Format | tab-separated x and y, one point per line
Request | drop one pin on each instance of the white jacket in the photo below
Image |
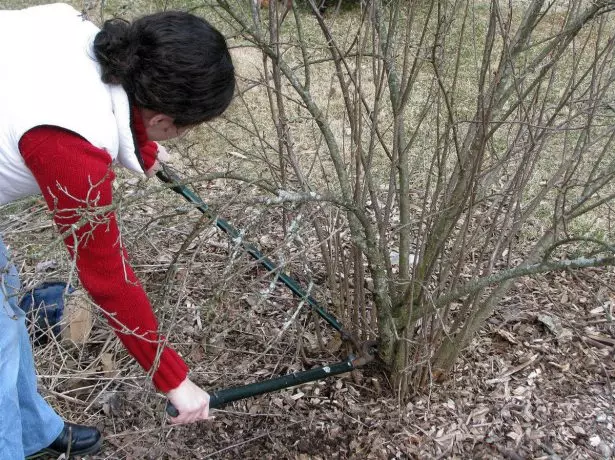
48	76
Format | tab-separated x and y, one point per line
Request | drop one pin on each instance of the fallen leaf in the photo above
46	265
77	317
553	323
108	364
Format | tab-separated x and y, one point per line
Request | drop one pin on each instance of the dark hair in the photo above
174	63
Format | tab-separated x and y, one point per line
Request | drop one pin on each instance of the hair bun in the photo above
112	48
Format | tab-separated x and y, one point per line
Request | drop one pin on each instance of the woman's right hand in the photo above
191	402
161	157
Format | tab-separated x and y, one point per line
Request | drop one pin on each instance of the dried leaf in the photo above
45	266
594	440
553	323
108	365
78	318
507	336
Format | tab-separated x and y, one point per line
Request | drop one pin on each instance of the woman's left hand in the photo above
191	402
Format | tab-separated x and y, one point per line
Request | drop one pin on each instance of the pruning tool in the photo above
218	398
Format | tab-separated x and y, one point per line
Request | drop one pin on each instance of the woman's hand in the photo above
191	401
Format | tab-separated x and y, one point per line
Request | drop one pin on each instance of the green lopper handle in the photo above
168	177
221	397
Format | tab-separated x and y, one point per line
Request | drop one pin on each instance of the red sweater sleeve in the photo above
76	180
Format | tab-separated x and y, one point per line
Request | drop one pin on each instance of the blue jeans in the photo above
27	423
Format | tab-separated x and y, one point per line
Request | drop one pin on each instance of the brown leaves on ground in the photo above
520	392
536	383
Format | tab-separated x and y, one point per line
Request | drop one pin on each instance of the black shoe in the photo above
73	440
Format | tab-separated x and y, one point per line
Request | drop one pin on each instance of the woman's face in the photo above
159	133
161	127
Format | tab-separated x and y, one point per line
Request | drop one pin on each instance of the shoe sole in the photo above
94	448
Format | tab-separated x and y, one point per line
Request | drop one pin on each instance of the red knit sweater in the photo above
76	178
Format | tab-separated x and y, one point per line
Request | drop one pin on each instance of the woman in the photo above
73	101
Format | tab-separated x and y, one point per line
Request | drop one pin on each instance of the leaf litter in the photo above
536	381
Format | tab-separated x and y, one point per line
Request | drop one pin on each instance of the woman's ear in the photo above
159	127
157	120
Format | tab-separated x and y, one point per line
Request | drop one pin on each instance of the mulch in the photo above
535	383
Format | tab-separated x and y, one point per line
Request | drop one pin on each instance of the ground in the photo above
535	383
519	392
